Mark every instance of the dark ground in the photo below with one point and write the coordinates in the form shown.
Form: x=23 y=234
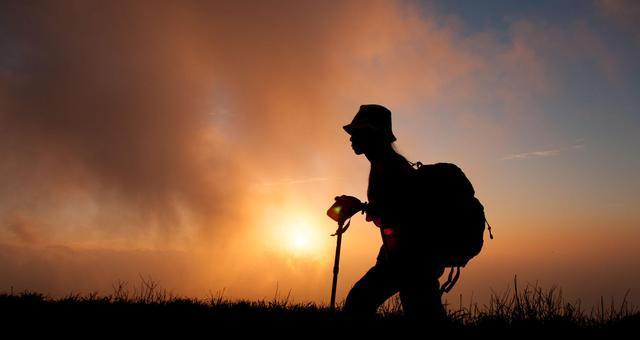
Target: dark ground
x=149 y=310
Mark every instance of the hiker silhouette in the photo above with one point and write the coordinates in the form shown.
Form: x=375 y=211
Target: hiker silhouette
x=398 y=267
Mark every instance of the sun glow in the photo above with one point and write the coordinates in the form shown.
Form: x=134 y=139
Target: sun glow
x=300 y=241
x=303 y=238
x=294 y=230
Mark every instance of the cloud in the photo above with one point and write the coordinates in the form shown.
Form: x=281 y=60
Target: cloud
x=623 y=13
x=153 y=123
x=110 y=105
x=24 y=230
x=164 y=118
x=543 y=153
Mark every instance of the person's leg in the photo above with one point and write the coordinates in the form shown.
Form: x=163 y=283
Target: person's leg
x=371 y=291
x=420 y=295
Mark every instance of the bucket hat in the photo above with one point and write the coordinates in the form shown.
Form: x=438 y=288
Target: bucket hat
x=372 y=117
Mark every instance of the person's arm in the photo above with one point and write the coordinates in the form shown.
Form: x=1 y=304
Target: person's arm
x=395 y=204
x=373 y=213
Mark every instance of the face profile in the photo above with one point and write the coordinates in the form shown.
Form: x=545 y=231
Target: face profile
x=370 y=130
x=356 y=145
x=362 y=142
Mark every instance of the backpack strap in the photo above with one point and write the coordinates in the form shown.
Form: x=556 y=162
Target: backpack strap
x=489 y=225
x=416 y=165
x=451 y=280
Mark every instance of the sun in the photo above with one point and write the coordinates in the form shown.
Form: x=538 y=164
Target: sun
x=294 y=232
x=300 y=241
x=303 y=238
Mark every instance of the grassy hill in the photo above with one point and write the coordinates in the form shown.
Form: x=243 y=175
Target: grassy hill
x=147 y=305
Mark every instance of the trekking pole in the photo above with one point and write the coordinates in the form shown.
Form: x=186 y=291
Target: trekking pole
x=341 y=212
x=336 y=263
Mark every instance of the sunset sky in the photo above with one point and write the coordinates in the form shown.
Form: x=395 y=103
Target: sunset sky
x=200 y=143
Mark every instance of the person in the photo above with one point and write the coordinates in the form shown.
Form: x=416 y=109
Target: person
x=399 y=267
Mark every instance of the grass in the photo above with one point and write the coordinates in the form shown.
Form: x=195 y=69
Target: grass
x=531 y=307
x=535 y=306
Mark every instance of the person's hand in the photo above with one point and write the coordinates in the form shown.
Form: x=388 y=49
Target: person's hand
x=344 y=207
x=349 y=201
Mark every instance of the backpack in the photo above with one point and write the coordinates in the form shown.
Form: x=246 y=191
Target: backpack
x=451 y=218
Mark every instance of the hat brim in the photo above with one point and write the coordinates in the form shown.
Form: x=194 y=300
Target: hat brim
x=352 y=128
x=348 y=128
